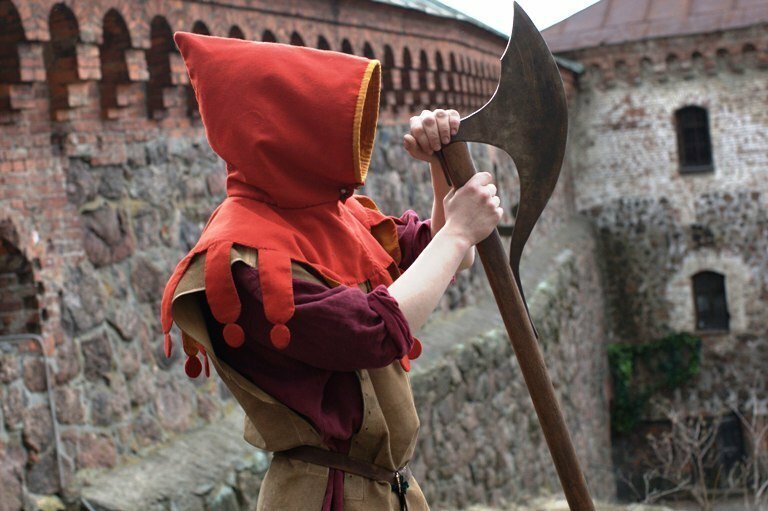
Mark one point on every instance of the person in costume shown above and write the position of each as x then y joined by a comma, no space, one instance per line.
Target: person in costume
301,293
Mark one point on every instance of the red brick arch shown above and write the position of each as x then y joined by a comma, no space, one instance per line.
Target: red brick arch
61,57
159,65
11,34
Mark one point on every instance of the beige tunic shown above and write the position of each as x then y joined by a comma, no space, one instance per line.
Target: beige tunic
387,436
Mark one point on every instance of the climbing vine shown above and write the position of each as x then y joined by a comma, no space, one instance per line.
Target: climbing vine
641,370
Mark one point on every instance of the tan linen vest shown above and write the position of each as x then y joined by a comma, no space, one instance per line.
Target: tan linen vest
387,436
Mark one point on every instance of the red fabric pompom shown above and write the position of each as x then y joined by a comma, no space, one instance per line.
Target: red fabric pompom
416,349
193,367
234,335
280,336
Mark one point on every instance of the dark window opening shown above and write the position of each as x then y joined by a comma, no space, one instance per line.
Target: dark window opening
193,111
236,32
405,79
693,141
19,308
711,303
61,57
114,68
297,40
268,37
346,47
159,64
368,51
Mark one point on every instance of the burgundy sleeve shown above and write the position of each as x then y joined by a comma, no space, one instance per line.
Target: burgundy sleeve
413,235
338,329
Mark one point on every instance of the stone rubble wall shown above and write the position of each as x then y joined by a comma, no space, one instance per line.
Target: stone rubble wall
658,227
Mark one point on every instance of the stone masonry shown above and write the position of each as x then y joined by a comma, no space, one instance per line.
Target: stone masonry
659,227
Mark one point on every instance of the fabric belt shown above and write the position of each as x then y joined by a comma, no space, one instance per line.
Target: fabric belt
397,479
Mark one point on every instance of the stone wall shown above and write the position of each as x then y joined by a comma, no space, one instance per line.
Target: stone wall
658,227
480,440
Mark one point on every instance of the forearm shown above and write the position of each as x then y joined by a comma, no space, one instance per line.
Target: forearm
419,289
441,188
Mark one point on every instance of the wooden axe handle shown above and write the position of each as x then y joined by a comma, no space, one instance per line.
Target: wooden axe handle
458,164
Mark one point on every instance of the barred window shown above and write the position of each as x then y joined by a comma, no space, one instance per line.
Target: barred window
711,303
693,142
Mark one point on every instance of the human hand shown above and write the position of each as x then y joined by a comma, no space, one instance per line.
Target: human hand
429,132
473,211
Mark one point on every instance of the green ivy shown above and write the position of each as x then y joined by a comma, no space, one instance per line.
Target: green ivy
641,370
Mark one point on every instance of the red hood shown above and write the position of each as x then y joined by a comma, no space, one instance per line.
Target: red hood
295,125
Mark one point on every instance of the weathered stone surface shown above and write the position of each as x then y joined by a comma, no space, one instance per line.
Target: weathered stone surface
14,403
70,408
248,486
207,408
125,320
222,499
96,450
67,361
208,456
34,374
84,301
9,367
141,388
147,279
42,475
173,407
146,430
108,238
10,488
128,359
38,428
109,403
97,356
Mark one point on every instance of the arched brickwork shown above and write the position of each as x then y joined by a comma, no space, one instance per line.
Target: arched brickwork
423,71
19,307
11,34
159,65
61,58
405,75
114,68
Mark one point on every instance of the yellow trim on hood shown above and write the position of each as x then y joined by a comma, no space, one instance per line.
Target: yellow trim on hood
366,116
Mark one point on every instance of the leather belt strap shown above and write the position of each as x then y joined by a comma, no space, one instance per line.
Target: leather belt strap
339,461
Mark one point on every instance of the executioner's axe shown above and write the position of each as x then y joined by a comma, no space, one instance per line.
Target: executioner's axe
527,117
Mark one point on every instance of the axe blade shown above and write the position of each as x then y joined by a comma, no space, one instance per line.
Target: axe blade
527,117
